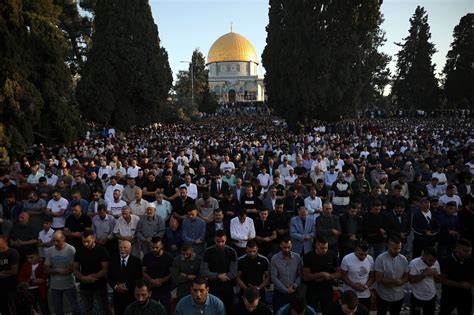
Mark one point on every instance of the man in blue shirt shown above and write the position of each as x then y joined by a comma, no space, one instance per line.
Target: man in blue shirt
200,301
194,230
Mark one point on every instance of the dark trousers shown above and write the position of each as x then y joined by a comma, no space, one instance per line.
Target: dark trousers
43,303
315,296
121,301
416,306
100,294
224,291
366,302
461,300
383,306
164,298
279,299
7,300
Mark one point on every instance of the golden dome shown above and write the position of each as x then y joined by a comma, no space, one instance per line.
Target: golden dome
231,47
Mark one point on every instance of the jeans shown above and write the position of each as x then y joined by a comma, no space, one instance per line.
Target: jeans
88,296
70,293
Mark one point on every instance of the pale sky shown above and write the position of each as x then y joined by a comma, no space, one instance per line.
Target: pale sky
184,25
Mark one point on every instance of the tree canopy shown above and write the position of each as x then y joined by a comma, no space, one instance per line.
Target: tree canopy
321,58
36,103
415,84
459,68
127,77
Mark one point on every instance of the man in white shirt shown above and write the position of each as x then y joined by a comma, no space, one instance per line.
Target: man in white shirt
440,175
56,208
138,205
125,228
450,196
115,207
35,175
284,168
45,237
435,190
227,165
313,204
133,169
191,187
423,272
109,192
391,274
104,170
358,273
242,229
51,179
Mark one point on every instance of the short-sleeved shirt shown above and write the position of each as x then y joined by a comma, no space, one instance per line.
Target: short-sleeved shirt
457,270
61,259
9,258
115,208
90,262
392,268
45,237
253,269
320,263
358,272
425,289
56,206
158,267
77,225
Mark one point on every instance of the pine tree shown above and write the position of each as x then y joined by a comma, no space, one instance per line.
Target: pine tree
35,83
127,77
415,85
459,68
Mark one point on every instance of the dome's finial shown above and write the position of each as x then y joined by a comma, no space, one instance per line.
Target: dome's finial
231,23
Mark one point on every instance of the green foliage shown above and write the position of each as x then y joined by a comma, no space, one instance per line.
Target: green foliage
77,31
415,85
35,83
204,100
321,57
459,68
127,77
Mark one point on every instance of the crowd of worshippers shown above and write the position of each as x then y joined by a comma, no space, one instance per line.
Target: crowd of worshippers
243,217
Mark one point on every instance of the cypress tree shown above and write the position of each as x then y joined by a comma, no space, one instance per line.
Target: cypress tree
35,83
316,57
415,85
459,68
77,30
127,77
203,98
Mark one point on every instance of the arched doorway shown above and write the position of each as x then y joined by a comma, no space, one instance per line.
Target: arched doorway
232,96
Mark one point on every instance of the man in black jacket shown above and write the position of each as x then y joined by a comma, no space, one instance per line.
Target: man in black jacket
351,230
399,224
124,270
425,227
